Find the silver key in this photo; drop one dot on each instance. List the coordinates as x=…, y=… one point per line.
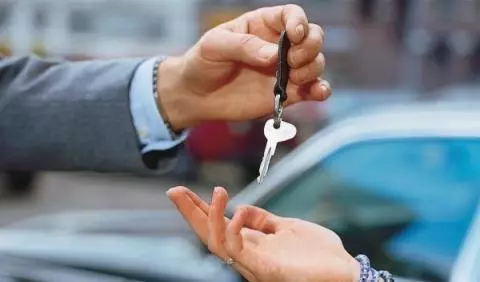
x=274, y=136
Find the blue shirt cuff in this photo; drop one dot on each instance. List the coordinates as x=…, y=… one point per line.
x=151, y=130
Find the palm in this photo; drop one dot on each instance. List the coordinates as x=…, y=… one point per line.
x=245, y=91
x=298, y=248
x=248, y=94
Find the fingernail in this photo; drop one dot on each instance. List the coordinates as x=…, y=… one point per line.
x=216, y=190
x=326, y=88
x=300, y=31
x=267, y=51
x=168, y=192
x=325, y=83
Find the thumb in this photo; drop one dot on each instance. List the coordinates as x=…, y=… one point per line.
x=238, y=246
x=222, y=45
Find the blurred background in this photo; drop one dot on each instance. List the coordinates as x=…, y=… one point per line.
x=380, y=53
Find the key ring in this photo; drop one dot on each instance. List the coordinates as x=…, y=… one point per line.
x=278, y=111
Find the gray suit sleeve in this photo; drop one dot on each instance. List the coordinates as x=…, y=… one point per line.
x=57, y=115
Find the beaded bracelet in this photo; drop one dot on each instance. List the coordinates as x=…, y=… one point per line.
x=174, y=135
x=369, y=274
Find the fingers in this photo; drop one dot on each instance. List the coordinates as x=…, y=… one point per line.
x=241, y=250
x=193, y=214
x=217, y=227
x=258, y=219
x=248, y=39
x=291, y=18
x=211, y=229
x=217, y=224
x=197, y=201
x=305, y=52
x=223, y=45
x=234, y=234
x=317, y=90
x=320, y=90
x=309, y=72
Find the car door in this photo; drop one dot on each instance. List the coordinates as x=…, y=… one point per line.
x=407, y=203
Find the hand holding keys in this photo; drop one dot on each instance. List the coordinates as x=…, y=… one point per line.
x=275, y=129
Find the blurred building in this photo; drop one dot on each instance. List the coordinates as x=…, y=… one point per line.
x=369, y=43
x=449, y=32
x=97, y=28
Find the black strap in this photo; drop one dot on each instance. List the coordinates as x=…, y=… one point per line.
x=283, y=69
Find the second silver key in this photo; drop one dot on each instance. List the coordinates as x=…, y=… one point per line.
x=285, y=132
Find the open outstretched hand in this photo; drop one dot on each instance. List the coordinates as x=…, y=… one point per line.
x=265, y=247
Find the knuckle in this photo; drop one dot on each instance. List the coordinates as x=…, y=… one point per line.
x=206, y=43
x=245, y=39
x=293, y=7
x=206, y=38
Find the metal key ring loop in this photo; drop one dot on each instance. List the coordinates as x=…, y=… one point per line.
x=278, y=111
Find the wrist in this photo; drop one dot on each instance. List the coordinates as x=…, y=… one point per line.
x=355, y=269
x=172, y=95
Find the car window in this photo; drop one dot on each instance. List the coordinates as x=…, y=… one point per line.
x=405, y=203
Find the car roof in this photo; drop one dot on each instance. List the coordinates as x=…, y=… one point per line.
x=408, y=120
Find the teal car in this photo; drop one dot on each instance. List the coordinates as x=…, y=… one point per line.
x=400, y=184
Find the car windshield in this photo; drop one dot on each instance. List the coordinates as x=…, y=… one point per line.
x=406, y=203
